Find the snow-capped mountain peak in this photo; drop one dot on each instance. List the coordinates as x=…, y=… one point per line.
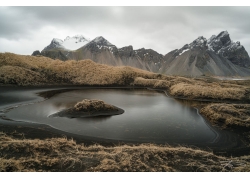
x=200, y=42
x=69, y=43
x=57, y=41
x=102, y=41
x=75, y=42
x=77, y=38
x=221, y=45
x=55, y=44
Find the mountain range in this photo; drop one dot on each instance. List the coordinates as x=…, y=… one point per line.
x=216, y=56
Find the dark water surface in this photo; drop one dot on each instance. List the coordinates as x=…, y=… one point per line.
x=149, y=116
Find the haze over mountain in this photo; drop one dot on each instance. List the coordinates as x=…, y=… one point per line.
x=218, y=56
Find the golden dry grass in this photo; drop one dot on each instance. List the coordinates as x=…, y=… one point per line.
x=84, y=72
x=207, y=91
x=236, y=115
x=30, y=70
x=60, y=154
x=155, y=83
x=93, y=105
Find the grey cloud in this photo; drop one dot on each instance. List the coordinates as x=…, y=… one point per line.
x=160, y=28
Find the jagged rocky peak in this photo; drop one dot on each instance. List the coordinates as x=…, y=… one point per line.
x=149, y=55
x=126, y=48
x=224, y=38
x=220, y=45
x=56, y=41
x=100, y=44
x=55, y=44
x=126, y=51
x=215, y=43
x=226, y=48
x=199, y=42
x=69, y=43
x=102, y=41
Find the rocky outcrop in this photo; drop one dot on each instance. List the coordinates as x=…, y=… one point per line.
x=233, y=51
x=36, y=53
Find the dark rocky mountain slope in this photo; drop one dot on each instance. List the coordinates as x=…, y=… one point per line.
x=218, y=56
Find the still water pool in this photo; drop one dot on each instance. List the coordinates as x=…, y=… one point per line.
x=149, y=116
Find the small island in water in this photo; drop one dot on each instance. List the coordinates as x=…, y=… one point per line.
x=89, y=108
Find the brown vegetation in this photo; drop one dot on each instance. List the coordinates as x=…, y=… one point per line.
x=30, y=70
x=89, y=108
x=93, y=105
x=60, y=154
x=207, y=91
x=228, y=115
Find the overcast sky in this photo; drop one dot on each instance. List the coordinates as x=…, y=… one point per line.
x=25, y=29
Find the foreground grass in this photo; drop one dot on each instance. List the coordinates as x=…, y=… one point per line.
x=60, y=154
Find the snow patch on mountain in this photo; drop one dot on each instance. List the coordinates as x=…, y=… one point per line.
x=184, y=51
x=199, y=42
x=69, y=43
x=75, y=42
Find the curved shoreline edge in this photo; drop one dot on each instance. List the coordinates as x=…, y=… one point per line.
x=90, y=138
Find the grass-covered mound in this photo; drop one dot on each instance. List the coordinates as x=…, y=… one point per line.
x=228, y=115
x=89, y=108
x=60, y=154
x=31, y=70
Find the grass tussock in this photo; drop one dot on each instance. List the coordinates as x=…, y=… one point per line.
x=228, y=115
x=207, y=91
x=155, y=83
x=30, y=70
x=93, y=105
x=60, y=154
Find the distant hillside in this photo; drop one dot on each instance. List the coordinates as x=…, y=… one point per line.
x=39, y=70
x=102, y=51
x=31, y=71
x=217, y=56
